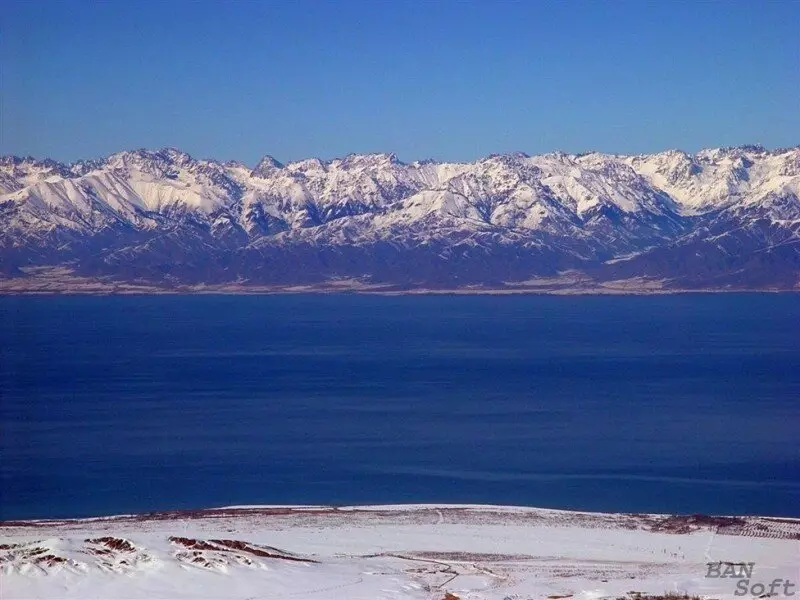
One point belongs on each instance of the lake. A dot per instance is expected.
(682, 403)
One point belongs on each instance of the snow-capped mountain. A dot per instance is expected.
(720, 218)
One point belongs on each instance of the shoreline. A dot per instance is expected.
(267, 510)
(51, 281)
(124, 289)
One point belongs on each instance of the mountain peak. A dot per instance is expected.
(266, 167)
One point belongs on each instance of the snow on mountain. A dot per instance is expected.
(163, 213)
(720, 177)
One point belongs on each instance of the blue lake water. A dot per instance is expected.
(686, 403)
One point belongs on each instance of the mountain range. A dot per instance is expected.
(719, 219)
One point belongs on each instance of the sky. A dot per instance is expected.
(449, 80)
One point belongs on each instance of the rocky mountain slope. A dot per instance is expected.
(719, 219)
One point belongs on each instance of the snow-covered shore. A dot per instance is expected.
(386, 552)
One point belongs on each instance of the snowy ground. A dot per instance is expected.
(387, 552)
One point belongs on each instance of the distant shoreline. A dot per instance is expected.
(257, 291)
(58, 281)
(280, 291)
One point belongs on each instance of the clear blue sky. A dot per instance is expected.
(446, 80)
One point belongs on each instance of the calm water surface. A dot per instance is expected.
(685, 403)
